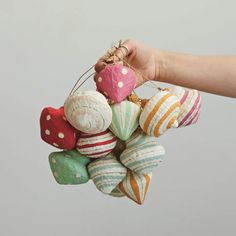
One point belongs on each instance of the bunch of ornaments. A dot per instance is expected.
(111, 136)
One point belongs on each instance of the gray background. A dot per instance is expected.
(44, 46)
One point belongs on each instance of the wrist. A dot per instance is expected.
(161, 61)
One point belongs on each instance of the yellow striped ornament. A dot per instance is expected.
(135, 186)
(160, 113)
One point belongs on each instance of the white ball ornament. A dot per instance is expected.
(88, 111)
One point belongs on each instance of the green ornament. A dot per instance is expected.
(69, 167)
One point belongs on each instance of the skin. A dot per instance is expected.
(212, 74)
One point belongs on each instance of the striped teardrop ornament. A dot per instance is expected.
(125, 116)
(135, 186)
(88, 111)
(106, 173)
(160, 113)
(190, 101)
(142, 154)
(96, 145)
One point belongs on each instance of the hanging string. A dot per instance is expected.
(84, 81)
(80, 79)
(108, 60)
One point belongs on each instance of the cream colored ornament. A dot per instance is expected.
(160, 113)
(88, 111)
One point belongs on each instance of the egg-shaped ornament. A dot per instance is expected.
(88, 111)
(106, 173)
(143, 153)
(125, 117)
(116, 82)
(160, 113)
(96, 145)
(190, 100)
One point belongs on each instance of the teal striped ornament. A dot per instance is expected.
(143, 153)
(125, 119)
(106, 173)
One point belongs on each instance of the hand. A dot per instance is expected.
(140, 57)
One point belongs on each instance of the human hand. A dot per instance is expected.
(204, 73)
(141, 58)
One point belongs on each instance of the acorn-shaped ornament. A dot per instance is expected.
(125, 116)
(135, 186)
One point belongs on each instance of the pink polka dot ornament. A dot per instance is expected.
(116, 82)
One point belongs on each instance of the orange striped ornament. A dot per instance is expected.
(135, 186)
(160, 113)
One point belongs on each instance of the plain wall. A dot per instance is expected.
(44, 46)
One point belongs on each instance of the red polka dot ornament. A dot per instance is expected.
(56, 130)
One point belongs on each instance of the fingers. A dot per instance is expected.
(125, 49)
(100, 65)
(119, 54)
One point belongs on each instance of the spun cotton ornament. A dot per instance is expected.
(96, 145)
(160, 113)
(135, 186)
(69, 167)
(106, 173)
(190, 101)
(116, 82)
(88, 111)
(143, 153)
(56, 130)
(125, 116)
